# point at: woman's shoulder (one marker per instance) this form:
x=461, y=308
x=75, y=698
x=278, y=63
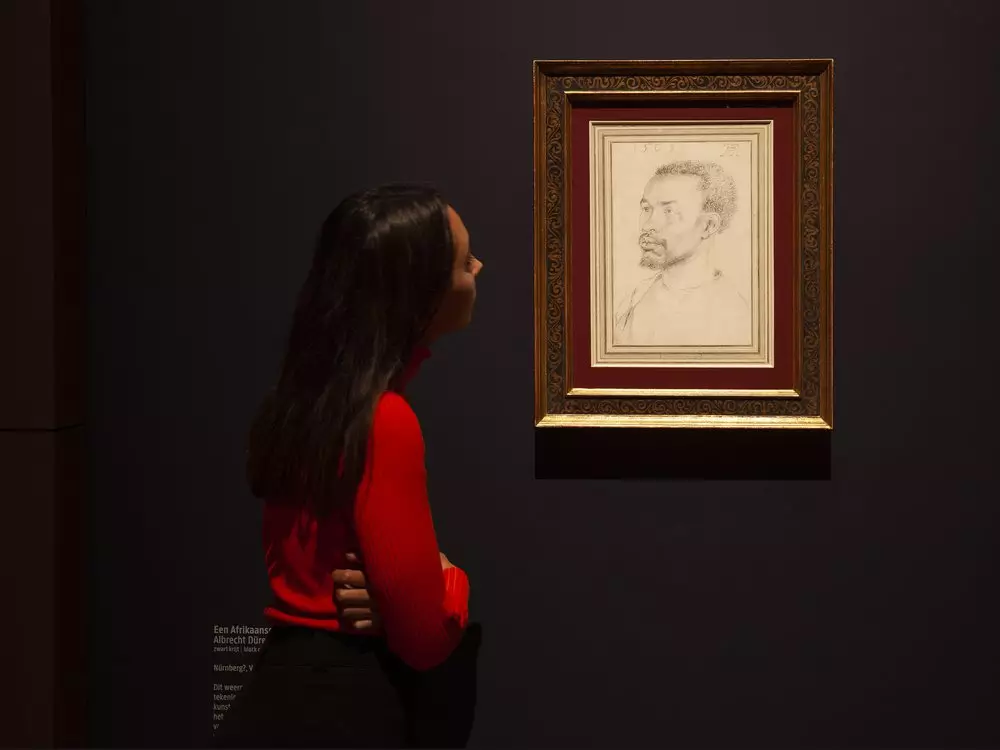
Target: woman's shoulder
x=395, y=419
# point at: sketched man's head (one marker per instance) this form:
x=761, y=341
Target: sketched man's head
x=684, y=203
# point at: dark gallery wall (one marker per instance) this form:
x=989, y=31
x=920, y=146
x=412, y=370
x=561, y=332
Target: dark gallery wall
x=854, y=610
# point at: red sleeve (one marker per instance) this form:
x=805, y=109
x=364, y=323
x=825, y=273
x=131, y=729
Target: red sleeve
x=423, y=609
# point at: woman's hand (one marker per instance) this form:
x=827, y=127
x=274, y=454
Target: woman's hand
x=355, y=607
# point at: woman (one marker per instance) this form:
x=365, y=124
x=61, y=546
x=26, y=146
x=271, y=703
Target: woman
x=337, y=454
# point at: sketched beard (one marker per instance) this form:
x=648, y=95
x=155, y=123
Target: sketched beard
x=655, y=259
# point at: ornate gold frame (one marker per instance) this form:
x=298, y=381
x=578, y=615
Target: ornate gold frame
x=808, y=85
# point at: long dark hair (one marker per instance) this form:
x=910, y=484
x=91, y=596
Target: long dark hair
x=382, y=265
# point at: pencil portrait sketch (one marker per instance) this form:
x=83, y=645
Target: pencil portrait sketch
x=684, y=297
x=681, y=246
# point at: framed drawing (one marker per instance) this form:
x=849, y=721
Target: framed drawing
x=683, y=243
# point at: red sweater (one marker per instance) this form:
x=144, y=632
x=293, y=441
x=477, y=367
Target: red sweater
x=423, y=609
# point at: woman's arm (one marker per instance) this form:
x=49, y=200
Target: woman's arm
x=359, y=614
x=423, y=608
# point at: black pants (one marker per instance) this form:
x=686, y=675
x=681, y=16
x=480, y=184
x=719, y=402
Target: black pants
x=312, y=688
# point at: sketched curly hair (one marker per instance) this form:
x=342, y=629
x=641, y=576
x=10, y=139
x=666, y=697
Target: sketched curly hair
x=714, y=182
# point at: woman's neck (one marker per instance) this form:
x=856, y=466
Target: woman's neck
x=412, y=366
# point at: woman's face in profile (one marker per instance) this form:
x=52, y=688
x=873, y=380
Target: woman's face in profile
x=456, y=308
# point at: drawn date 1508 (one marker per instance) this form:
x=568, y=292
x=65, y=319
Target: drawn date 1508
x=726, y=149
